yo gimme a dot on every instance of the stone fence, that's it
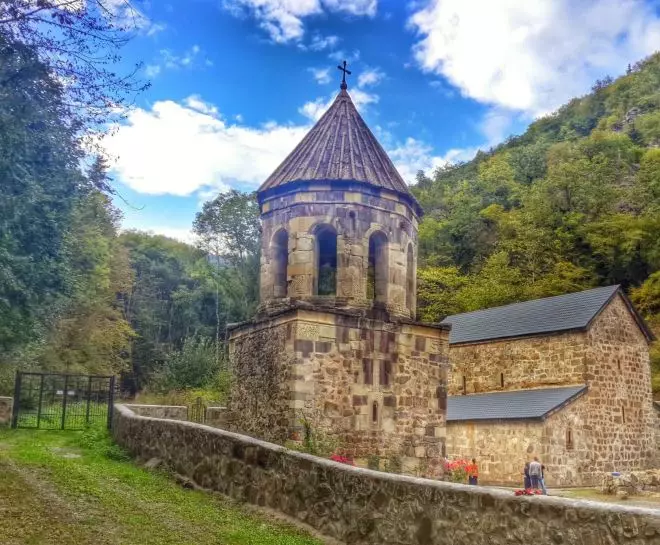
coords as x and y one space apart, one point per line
6 406
360 506
171 412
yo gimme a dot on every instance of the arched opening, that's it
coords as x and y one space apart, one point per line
464 385
569 439
410 280
374 412
280 257
377 273
501 380
326 261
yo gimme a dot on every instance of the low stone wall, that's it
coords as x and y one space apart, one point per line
360 506
6 405
171 412
217 417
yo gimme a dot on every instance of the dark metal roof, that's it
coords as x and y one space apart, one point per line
339 147
515 405
549 315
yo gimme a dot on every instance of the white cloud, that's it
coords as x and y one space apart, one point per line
196 103
341 55
314 109
531 56
283 19
321 75
413 156
176 149
370 76
152 70
319 42
193 57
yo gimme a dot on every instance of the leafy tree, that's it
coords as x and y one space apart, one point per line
78 41
229 232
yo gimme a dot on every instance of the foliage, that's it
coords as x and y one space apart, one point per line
193 366
393 464
457 470
571 204
314 441
115 502
79 43
342 459
373 462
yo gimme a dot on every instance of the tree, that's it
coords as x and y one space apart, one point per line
229 231
79 41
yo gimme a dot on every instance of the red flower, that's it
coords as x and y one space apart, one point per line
342 459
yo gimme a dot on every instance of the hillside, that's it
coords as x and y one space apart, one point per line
572 203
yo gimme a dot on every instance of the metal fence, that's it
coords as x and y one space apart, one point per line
59 401
197 411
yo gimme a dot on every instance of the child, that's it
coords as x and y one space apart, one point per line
473 472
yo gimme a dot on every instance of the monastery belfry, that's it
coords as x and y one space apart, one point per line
334 343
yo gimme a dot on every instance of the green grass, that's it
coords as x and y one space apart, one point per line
79 489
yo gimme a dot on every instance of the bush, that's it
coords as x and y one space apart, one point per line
194 366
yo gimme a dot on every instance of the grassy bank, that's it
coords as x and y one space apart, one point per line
77 488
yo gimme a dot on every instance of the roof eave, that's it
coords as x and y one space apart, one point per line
289 187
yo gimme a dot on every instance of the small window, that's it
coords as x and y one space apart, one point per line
385 372
464 385
377 272
367 371
618 363
569 439
374 412
502 380
623 414
326 261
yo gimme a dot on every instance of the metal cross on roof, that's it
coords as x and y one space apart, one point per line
343 76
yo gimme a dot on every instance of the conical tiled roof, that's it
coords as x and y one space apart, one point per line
339 147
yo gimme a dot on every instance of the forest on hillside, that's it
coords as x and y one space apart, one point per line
572 203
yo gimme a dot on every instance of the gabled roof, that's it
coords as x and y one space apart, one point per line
514 405
573 311
339 147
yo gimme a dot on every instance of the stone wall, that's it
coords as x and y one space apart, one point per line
218 417
620 413
171 412
6 406
376 385
515 364
355 213
362 507
503 447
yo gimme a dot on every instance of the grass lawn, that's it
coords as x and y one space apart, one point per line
75 488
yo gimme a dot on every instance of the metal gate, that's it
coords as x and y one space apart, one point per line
197 411
54 401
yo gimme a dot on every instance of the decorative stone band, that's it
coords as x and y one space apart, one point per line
360 506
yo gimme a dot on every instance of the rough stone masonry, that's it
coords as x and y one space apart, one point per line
359 506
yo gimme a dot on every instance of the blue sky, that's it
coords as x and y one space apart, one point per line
237 83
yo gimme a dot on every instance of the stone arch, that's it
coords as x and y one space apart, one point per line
378 267
279 253
410 279
325 259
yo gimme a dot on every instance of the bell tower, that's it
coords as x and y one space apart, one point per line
339 223
334 341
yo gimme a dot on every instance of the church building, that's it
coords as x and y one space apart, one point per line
565 378
334 346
